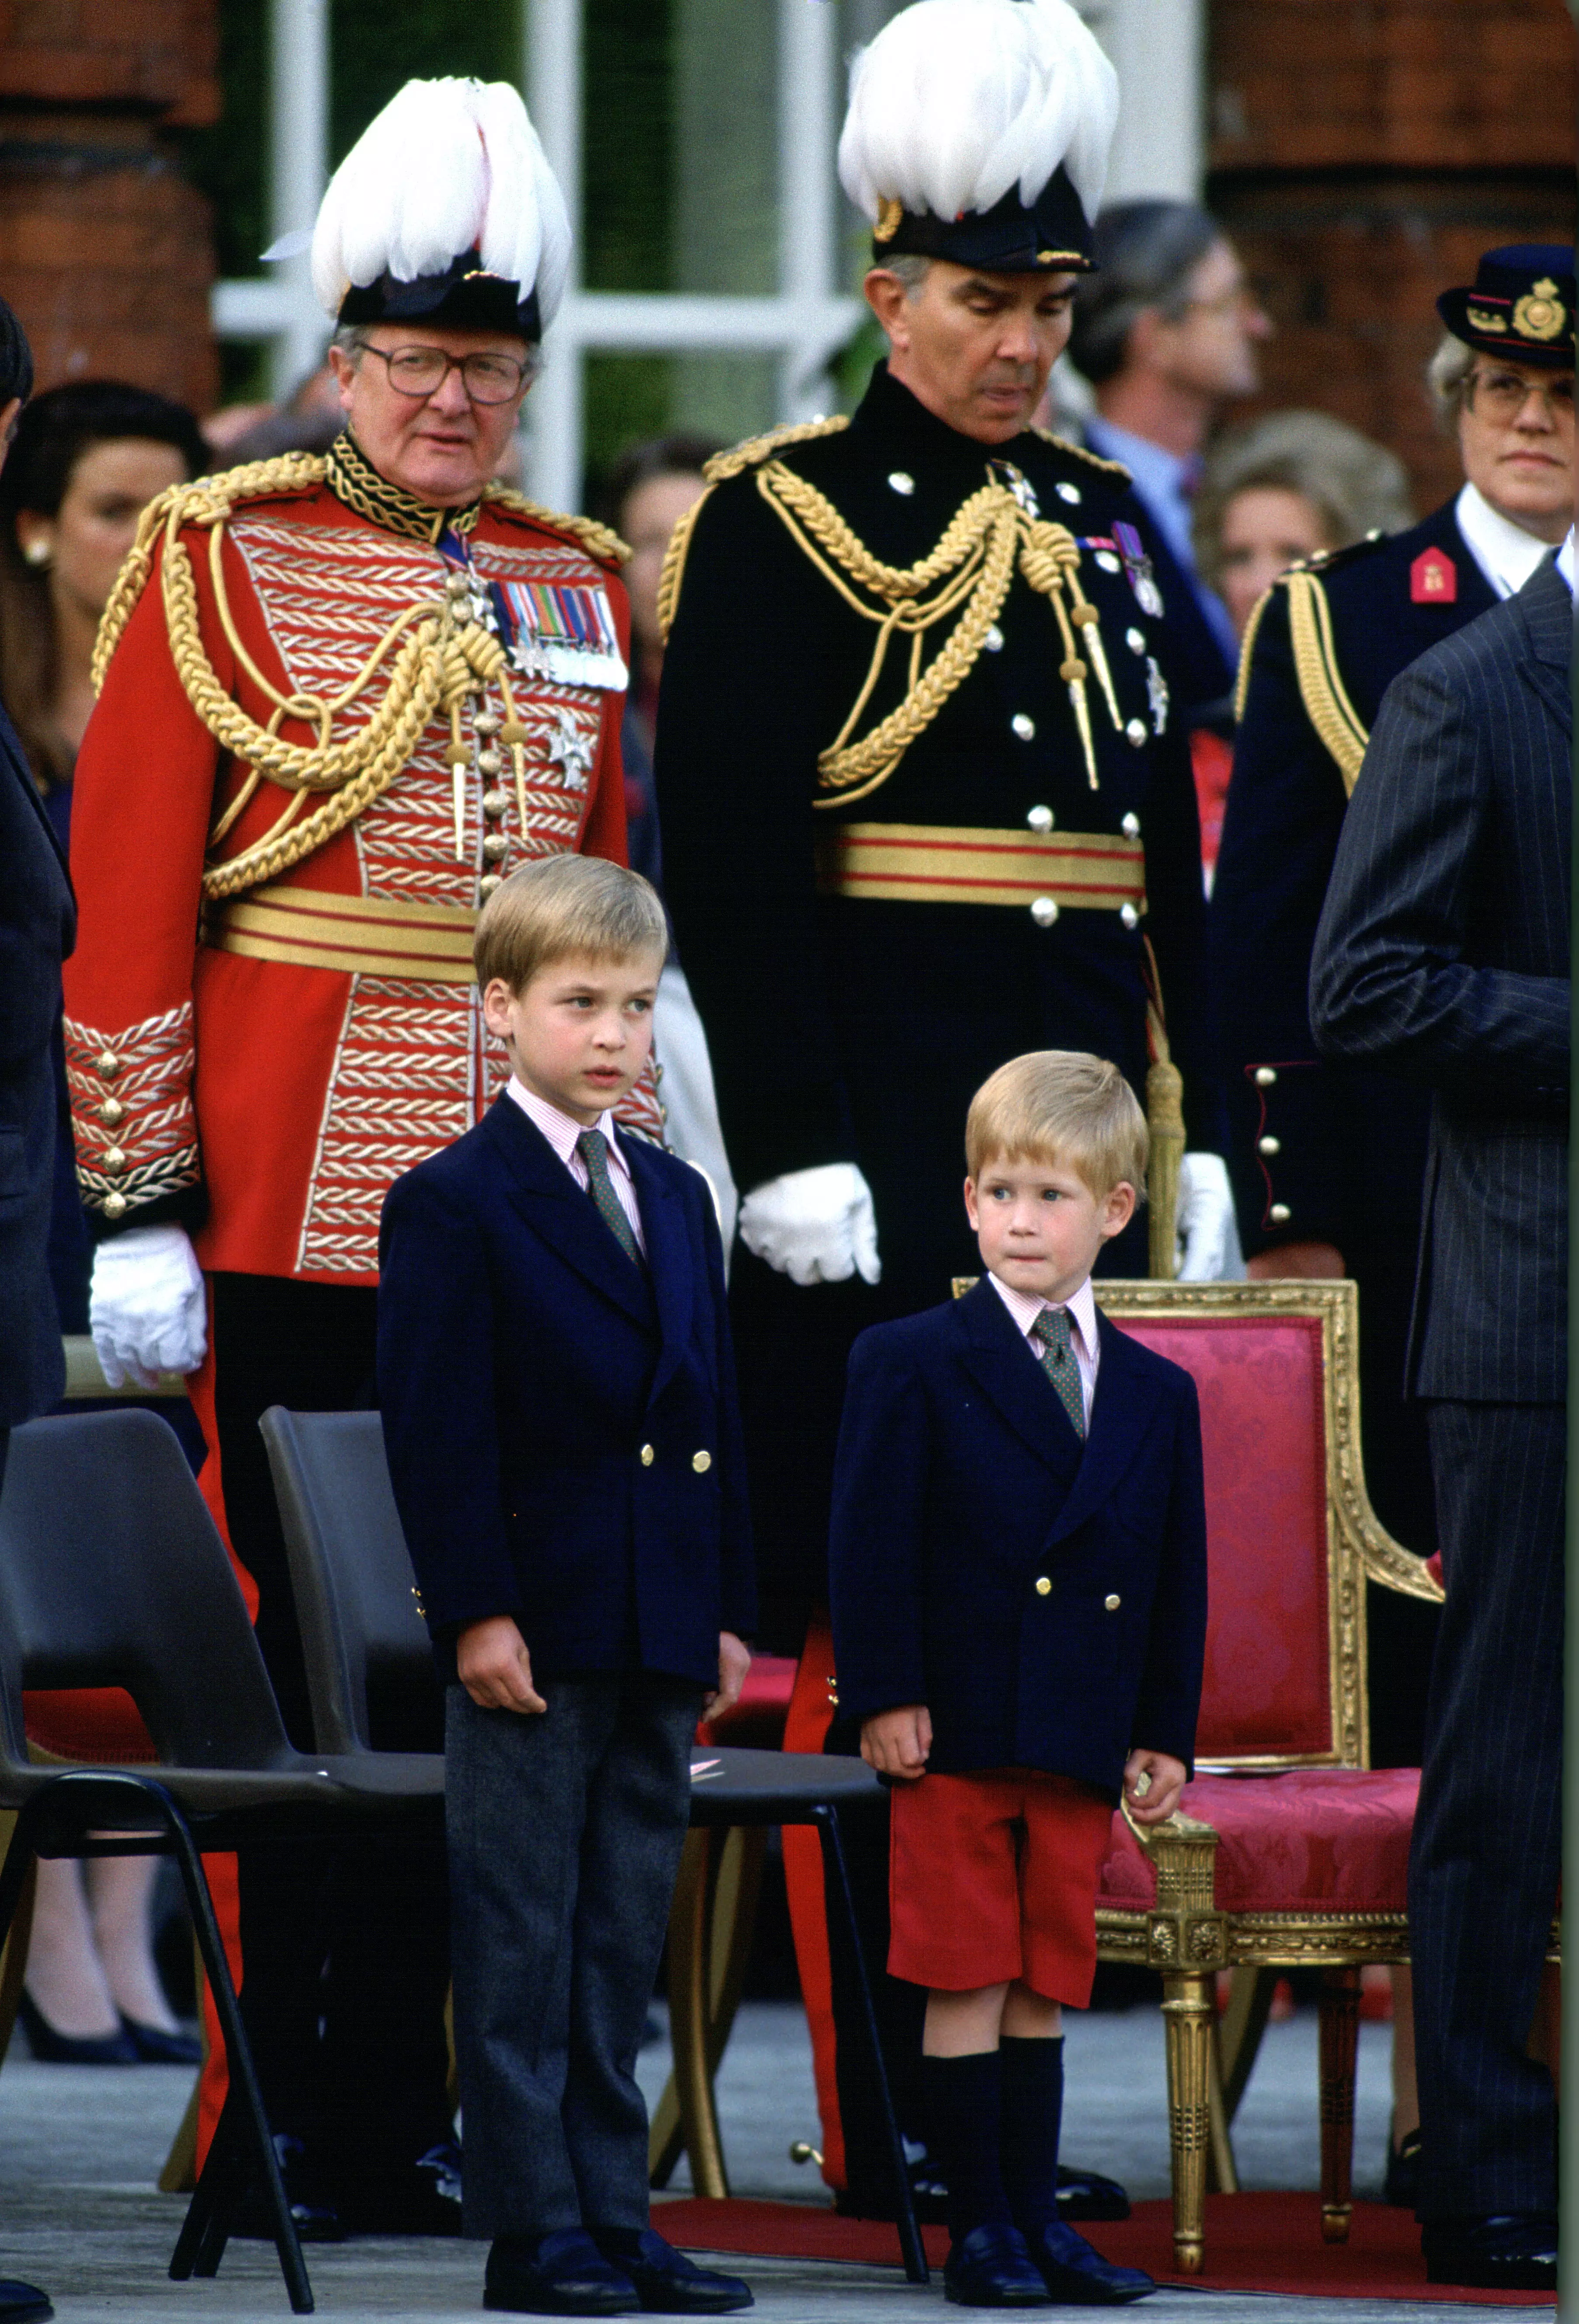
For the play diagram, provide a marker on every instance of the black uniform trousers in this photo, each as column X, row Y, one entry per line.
column 1487, row 1853
column 345, row 1945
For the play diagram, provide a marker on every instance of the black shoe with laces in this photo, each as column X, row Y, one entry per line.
column 668, row 2283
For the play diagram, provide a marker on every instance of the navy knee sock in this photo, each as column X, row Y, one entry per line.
column 1032, row 2082
column 964, row 2108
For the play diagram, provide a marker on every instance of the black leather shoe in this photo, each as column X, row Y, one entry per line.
column 1087, row 2195
column 666, row 2283
column 318, row 2220
column 23, row 2303
column 1402, row 2186
column 1514, row 2251
column 561, row 2275
column 154, row 2047
column 413, row 2199
column 1076, row 2276
column 51, row 2048
column 990, row 2268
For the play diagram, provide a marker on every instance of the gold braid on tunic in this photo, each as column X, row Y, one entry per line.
column 965, row 579
column 436, row 654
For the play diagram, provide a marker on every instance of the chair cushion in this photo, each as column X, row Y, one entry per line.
column 96, row 1723
column 1267, row 1690
column 1322, row 1840
column 757, row 1719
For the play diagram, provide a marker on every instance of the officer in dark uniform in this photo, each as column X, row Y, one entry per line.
column 924, row 802
column 1327, row 1159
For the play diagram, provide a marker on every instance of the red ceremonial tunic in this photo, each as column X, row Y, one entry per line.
column 272, row 1099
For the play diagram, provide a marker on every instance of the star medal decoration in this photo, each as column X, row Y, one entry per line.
column 1131, row 548
column 571, row 748
column 1156, row 694
column 1018, row 484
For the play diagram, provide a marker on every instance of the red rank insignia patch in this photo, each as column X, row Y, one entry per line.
column 1432, row 579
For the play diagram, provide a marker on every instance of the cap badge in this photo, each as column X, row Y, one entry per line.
column 890, row 211
column 1540, row 313
column 1486, row 319
column 1432, row 579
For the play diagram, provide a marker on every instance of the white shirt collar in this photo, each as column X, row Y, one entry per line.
column 562, row 1129
column 1566, row 561
column 1506, row 554
column 1025, row 1307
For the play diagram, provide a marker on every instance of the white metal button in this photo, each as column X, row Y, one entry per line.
column 1024, row 727
column 899, row 482
column 1108, row 561
column 1268, row 1146
column 1113, row 1601
column 1279, row 1215
column 701, row 1462
column 993, row 641
column 1130, row 827
column 1136, row 640
column 1070, row 492
column 648, row 1456
column 1044, row 1588
column 1041, row 818
column 1265, row 1075
column 1135, row 731
column 1129, row 915
column 1044, row 911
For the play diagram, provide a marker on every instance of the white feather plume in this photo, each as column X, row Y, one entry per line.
column 447, row 167
column 956, row 100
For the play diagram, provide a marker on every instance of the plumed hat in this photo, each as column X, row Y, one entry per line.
column 445, row 211
column 978, row 130
column 1520, row 305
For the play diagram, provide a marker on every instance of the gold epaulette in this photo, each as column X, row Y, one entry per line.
column 1337, row 723
column 204, row 500
column 1091, row 459
column 757, row 448
column 599, row 541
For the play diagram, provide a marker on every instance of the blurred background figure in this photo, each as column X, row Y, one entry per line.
column 1289, row 486
column 308, row 420
column 649, row 489
column 86, row 461
column 1166, row 331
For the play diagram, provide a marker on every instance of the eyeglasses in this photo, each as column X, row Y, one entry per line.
column 420, row 372
column 1502, row 394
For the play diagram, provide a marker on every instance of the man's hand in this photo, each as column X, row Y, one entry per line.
column 733, row 1662
column 814, row 1226
column 898, row 1742
column 493, row 1667
column 1298, row 1262
column 1152, row 1784
column 146, row 1308
column 1206, row 1220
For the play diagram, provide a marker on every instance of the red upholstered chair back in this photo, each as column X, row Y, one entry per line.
column 1268, row 1695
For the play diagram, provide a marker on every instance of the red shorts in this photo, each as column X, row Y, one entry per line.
column 993, row 1876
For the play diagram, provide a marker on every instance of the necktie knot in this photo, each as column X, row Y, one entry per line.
column 591, row 1146
column 1051, row 1333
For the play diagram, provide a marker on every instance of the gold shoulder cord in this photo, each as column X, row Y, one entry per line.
column 1246, row 649
column 440, row 655
column 1078, row 452
column 969, row 574
column 599, row 541
column 1321, row 686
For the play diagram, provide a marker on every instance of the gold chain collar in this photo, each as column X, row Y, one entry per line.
column 356, row 483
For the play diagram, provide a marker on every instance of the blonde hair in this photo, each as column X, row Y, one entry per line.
column 1354, row 485
column 1061, row 1106
column 562, row 905
column 1447, row 377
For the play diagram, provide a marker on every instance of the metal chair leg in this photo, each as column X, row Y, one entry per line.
column 1187, row 2012
column 910, row 2245
column 1340, row 2036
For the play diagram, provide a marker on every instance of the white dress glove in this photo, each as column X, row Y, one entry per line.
column 146, row 1308
column 814, row 1226
column 1205, row 1222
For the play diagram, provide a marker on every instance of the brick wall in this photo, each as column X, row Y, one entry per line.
column 106, row 253
column 1363, row 154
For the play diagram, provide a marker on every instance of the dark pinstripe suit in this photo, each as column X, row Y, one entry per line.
column 1443, row 955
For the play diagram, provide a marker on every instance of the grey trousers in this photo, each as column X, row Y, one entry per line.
column 564, row 1830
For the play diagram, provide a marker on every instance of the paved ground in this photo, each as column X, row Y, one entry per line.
column 80, row 2148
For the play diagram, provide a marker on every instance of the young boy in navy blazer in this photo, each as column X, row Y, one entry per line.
column 557, row 1392
column 1018, row 1604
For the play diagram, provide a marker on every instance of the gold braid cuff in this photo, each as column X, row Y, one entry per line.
column 1321, row 686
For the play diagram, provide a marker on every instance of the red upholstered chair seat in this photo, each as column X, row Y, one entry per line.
column 1315, row 1839
column 757, row 1721
column 98, row 1723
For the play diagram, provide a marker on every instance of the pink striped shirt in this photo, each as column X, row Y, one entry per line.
column 562, row 1131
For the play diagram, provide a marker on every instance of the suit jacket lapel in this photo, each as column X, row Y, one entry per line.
column 545, row 1194
column 1548, row 620
column 1006, row 1369
column 668, row 1255
column 1120, row 1422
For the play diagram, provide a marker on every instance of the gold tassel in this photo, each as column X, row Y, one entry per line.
column 1165, row 1119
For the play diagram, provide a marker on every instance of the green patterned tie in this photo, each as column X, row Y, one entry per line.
column 593, row 1148
column 1051, row 1329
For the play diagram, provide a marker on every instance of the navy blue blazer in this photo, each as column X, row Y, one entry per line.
column 962, row 1492
column 562, row 1428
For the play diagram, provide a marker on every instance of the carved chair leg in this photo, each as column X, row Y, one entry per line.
column 1187, row 2013
column 1222, row 2170
column 1340, row 2034
column 733, row 1862
column 688, row 1983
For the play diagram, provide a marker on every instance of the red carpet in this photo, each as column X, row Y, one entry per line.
column 1254, row 2242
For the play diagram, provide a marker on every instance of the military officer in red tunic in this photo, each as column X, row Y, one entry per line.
column 340, row 698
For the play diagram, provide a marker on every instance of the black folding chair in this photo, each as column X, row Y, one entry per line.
column 112, row 1575
column 365, row 1645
